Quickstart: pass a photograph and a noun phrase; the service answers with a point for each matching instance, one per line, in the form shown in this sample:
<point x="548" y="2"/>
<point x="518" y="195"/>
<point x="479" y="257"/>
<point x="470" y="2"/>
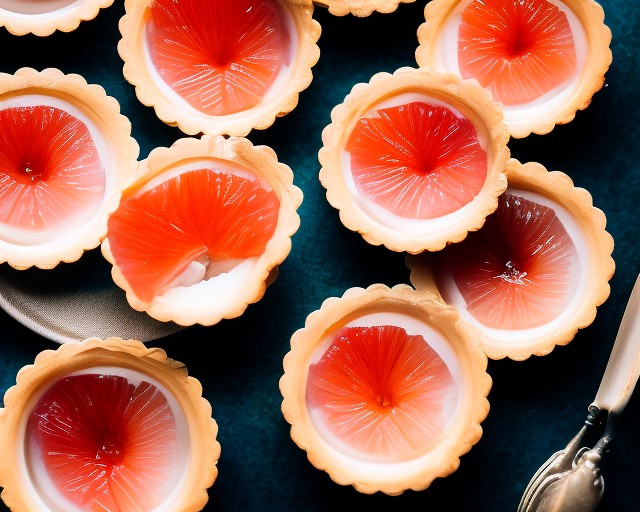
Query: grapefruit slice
<point x="106" y="443"/>
<point x="50" y="169"/>
<point x="520" y="50"/>
<point x="519" y="271"/>
<point x="381" y="391"/>
<point x="207" y="216"/>
<point x="417" y="160"/>
<point x="221" y="57"/>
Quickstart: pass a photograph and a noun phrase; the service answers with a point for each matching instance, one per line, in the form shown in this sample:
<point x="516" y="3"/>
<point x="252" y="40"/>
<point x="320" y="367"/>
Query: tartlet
<point x="44" y="17"/>
<point x="360" y="8"/>
<point x="66" y="152"/>
<point x="415" y="159"/>
<point x="201" y="230"/>
<point x="542" y="60"/>
<point x="181" y="58"/>
<point x="535" y="273"/>
<point x="110" y="425"/>
<point x="385" y="388"/>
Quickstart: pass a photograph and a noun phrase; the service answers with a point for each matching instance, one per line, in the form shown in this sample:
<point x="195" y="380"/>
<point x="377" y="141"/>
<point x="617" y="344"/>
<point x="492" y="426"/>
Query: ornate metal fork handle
<point x="570" y="480"/>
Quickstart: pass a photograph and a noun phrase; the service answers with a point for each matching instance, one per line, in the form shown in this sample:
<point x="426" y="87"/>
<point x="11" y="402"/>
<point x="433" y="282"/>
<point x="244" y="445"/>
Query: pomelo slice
<point x="519" y="49"/>
<point x="381" y="391"/>
<point x="50" y="169"/>
<point x="106" y="443"/>
<point x="417" y="160"/>
<point x="519" y="271"/>
<point x="221" y="57"/>
<point x="207" y="216"/>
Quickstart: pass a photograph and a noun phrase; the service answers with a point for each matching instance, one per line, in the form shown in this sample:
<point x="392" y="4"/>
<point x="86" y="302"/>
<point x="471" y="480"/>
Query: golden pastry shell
<point x="599" y="57"/>
<point x="360" y="8"/>
<point x="131" y="48"/>
<point x="50" y="365"/>
<point x="104" y="112"/>
<point x="466" y="96"/>
<point x="262" y="161"/>
<point x="557" y="186"/>
<point x="65" y="19"/>
<point x="462" y="434"/>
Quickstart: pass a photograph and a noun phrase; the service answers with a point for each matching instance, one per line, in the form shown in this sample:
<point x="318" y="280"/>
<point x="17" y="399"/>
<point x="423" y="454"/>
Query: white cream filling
<point x="452" y="295"/>
<point x="201" y="296"/>
<point x="281" y="82"/>
<point x="389" y="219"/>
<point x="545" y="107"/>
<point x="38" y="9"/>
<point x="413" y="326"/>
<point x="44" y="492"/>
<point x="61" y="236"/>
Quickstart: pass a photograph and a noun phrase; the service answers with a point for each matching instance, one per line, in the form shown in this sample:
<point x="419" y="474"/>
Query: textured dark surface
<point x="536" y="405"/>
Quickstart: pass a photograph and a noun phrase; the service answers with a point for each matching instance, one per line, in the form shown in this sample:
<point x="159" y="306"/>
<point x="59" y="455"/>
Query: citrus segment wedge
<point x="221" y="57"/>
<point x="417" y="160"/>
<point x="106" y="443"/>
<point x="381" y="391"/>
<point x="207" y="216"/>
<point x="520" y="270"/>
<point x="50" y="169"/>
<point x="519" y="49"/>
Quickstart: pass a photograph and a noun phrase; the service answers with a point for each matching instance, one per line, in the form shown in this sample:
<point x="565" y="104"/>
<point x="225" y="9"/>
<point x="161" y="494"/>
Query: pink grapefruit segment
<point x="106" y="444"/>
<point x="381" y="391"/>
<point x="50" y="170"/>
<point x="220" y="56"/>
<point x="520" y="49"/>
<point x="207" y="215"/>
<point x="417" y="160"/>
<point x="520" y="270"/>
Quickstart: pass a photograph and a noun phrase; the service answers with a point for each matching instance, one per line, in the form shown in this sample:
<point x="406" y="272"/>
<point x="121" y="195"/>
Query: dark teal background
<point x="536" y="405"/>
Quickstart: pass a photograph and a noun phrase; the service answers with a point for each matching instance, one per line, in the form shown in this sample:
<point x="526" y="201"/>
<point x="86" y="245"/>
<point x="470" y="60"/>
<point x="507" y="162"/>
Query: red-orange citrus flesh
<point x="207" y="215"/>
<point x="519" y="271"/>
<point x="106" y="444"/>
<point x="417" y="160"/>
<point x="520" y="49"/>
<point x="220" y="56"/>
<point x="50" y="170"/>
<point x="381" y="391"/>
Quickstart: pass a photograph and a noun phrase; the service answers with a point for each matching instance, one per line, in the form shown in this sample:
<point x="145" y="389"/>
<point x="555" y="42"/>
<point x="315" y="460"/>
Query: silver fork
<point x="570" y="480"/>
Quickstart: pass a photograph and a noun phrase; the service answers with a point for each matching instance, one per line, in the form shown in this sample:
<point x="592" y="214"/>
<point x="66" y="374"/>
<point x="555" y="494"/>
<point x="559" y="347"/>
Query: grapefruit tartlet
<point x="543" y="60"/>
<point x="414" y="160"/>
<point x="385" y="388"/>
<point x="219" y="68"/>
<point x="201" y="231"/>
<point x="44" y="17"/>
<point x="360" y="8"/>
<point x="65" y="155"/>
<point x="536" y="271"/>
<point x="106" y="425"/>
